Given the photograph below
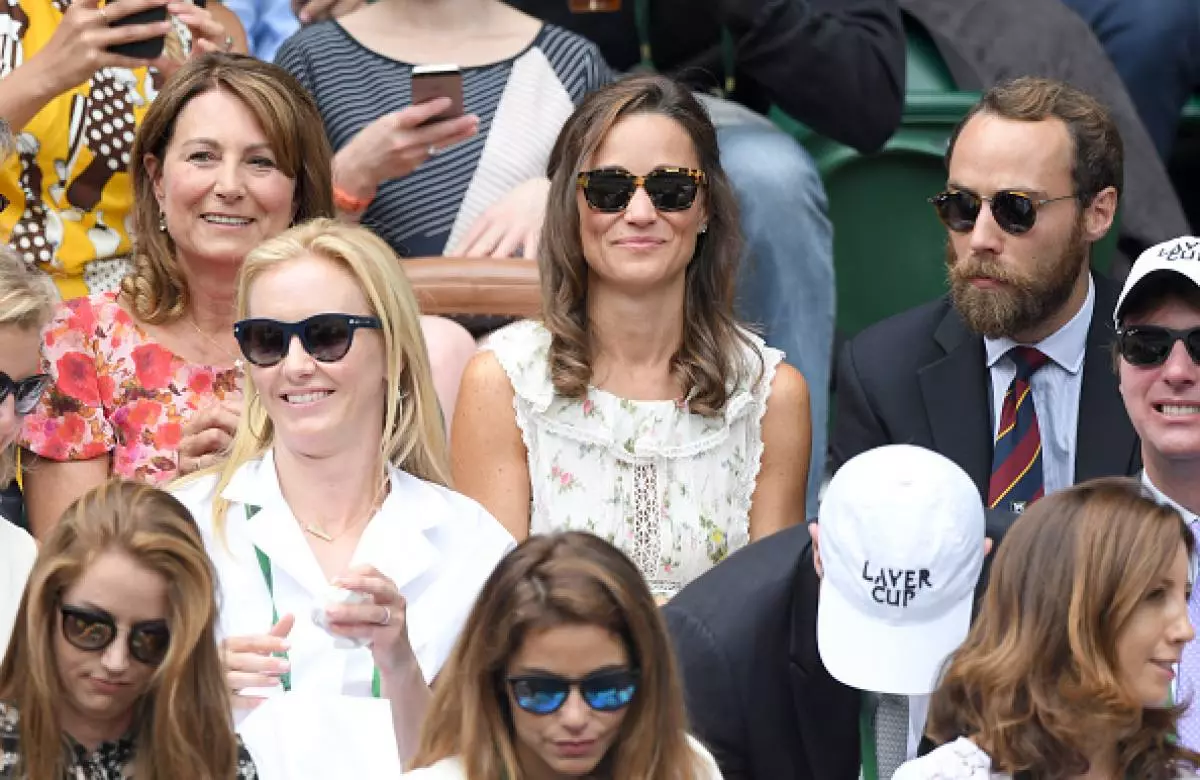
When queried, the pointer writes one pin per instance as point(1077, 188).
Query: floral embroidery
point(117, 391)
point(601, 455)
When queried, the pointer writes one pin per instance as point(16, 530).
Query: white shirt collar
point(1065, 346)
point(1166, 500)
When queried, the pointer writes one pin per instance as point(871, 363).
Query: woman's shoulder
point(196, 493)
point(577, 60)
point(961, 759)
point(441, 504)
point(522, 349)
point(447, 769)
point(98, 317)
point(708, 764)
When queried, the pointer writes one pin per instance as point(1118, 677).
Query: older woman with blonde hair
point(231, 153)
point(1068, 671)
point(337, 478)
point(564, 670)
point(638, 408)
point(113, 670)
point(26, 301)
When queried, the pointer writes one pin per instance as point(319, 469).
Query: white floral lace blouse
point(668, 487)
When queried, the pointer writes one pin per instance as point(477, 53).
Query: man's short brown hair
point(1099, 151)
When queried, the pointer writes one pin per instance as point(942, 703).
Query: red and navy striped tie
point(1017, 457)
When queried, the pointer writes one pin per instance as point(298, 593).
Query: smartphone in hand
point(147, 49)
point(430, 82)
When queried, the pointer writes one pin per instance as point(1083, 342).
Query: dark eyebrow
point(89, 607)
point(1028, 190)
point(533, 671)
point(212, 142)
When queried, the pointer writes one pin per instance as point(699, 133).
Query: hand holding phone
point(144, 48)
point(430, 82)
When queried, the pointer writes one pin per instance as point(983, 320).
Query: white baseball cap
point(1179, 255)
point(902, 534)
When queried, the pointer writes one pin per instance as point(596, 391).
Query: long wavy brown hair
point(708, 360)
point(156, 289)
point(1037, 680)
point(570, 578)
point(182, 724)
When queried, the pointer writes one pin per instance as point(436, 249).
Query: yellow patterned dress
point(70, 196)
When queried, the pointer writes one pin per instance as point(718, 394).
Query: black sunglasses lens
point(608, 190)
point(609, 691)
point(87, 631)
point(327, 337)
point(1145, 346)
point(671, 190)
point(957, 210)
point(1014, 213)
point(149, 644)
point(264, 343)
point(540, 695)
point(29, 391)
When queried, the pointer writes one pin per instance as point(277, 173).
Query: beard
point(1025, 301)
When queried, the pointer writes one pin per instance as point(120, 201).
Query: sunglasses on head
point(92, 630)
point(1015, 212)
point(1151, 345)
point(604, 691)
point(326, 337)
point(25, 392)
point(670, 189)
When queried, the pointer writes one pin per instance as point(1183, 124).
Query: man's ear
point(1099, 215)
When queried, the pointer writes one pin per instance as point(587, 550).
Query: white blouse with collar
point(436, 545)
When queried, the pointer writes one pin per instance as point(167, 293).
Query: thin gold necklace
point(237, 362)
point(319, 531)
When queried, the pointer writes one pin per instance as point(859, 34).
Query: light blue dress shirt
point(1056, 387)
point(268, 23)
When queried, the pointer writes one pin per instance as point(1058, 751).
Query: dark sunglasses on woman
point(604, 691)
point(1014, 211)
point(1151, 345)
point(92, 630)
point(25, 392)
point(326, 337)
point(670, 189)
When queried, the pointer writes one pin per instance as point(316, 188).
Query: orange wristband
point(347, 202)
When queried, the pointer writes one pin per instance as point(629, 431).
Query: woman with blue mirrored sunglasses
point(563, 670)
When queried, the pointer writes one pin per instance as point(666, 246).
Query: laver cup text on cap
point(896, 587)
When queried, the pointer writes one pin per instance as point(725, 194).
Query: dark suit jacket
point(758, 695)
point(921, 378)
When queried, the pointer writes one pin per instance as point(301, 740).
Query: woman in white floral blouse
point(637, 409)
point(112, 672)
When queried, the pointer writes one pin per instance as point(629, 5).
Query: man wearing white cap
point(1158, 366)
point(902, 547)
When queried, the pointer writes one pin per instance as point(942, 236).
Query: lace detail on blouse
point(668, 487)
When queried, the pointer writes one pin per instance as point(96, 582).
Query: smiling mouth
point(221, 219)
point(300, 399)
point(1177, 410)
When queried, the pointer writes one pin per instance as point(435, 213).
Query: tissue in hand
point(336, 596)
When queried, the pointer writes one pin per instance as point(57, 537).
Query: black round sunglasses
point(326, 337)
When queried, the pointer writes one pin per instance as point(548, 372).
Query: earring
point(704, 228)
point(162, 222)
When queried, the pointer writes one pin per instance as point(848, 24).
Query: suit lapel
point(955, 392)
point(1105, 442)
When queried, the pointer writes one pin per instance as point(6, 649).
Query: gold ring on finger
point(103, 15)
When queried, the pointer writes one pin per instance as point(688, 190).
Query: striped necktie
point(1017, 457)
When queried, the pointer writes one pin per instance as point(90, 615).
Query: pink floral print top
point(117, 391)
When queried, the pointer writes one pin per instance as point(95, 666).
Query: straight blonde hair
point(27, 300)
point(413, 438)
